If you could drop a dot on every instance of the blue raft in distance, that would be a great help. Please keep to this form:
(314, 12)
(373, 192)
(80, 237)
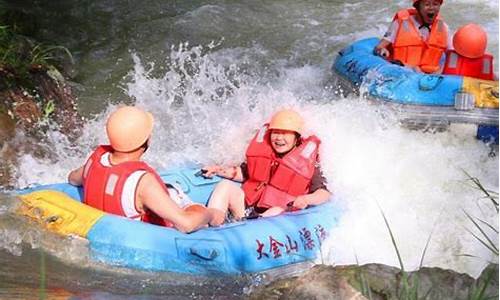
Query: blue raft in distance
(418, 98)
(236, 248)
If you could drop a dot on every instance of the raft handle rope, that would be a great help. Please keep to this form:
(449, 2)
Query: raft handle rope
(200, 173)
(212, 255)
(51, 219)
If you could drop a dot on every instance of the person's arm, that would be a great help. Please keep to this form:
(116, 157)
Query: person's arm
(75, 177)
(382, 49)
(318, 191)
(233, 173)
(151, 194)
(317, 197)
(383, 46)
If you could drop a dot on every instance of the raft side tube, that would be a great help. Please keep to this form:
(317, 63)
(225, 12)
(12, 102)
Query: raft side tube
(235, 248)
(419, 97)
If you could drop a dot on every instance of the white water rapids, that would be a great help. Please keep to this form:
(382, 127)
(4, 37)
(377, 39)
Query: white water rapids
(207, 100)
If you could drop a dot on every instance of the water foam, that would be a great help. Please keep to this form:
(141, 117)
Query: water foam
(207, 106)
(417, 178)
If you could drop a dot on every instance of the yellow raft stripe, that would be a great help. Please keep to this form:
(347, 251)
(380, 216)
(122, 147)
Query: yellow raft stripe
(485, 91)
(59, 213)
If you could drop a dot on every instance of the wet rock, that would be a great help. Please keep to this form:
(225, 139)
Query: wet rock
(53, 88)
(7, 170)
(375, 281)
(441, 284)
(7, 153)
(7, 127)
(28, 104)
(25, 109)
(321, 282)
(44, 96)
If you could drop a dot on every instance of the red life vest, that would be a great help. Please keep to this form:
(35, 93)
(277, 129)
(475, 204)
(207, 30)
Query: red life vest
(277, 181)
(103, 185)
(410, 49)
(481, 67)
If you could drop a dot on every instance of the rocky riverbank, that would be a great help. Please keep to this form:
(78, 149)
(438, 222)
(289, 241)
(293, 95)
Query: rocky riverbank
(377, 282)
(34, 95)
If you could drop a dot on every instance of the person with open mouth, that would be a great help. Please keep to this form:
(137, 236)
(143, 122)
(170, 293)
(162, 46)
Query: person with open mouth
(417, 37)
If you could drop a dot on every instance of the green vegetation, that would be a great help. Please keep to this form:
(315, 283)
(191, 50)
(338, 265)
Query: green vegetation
(409, 283)
(48, 109)
(477, 292)
(29, 74)
(491, 195)
(20, 55)
(43, 55)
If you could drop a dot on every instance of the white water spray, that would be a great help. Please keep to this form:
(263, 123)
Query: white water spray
(209, 101)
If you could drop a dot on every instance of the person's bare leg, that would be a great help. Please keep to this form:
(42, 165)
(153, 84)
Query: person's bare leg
(237, 201)
(227, 195)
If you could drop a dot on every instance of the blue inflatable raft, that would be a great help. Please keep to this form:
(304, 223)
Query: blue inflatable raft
(418, 98)
(236, 248)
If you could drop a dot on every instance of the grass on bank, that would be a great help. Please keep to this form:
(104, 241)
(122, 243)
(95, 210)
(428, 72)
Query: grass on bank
(19, 55)
(409, 285)
(482, 226)
(477, 292)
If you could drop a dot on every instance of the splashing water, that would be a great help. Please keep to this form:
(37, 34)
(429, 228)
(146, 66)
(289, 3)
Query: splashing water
(207, 101)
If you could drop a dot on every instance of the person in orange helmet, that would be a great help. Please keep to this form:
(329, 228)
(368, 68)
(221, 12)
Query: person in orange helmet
(281, 173)
(116, 181)
(417, 37)
(469, 57)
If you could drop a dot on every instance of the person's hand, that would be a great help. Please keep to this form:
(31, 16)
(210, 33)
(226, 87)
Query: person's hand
(273, 211)
(383, 52)
(301, 202)
(210, 171)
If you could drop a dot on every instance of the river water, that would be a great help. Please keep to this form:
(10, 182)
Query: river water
(213, 71)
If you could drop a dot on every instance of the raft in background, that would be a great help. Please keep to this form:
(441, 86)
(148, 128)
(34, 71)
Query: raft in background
(419, 99)
(235, 248)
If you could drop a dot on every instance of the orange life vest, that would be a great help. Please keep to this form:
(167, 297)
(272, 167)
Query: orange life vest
(277, 181)
(481, 67)
(103, 185)
(412, 50)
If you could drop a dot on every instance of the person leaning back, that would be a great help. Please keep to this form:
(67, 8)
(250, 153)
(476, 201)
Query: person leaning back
(281, 173)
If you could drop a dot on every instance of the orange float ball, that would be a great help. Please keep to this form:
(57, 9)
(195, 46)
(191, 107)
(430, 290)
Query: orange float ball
(470, 41)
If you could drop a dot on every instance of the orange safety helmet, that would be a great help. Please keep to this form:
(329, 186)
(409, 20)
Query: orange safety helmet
(470, 41)
(287, 119)
(128, 128)
(416, 1)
